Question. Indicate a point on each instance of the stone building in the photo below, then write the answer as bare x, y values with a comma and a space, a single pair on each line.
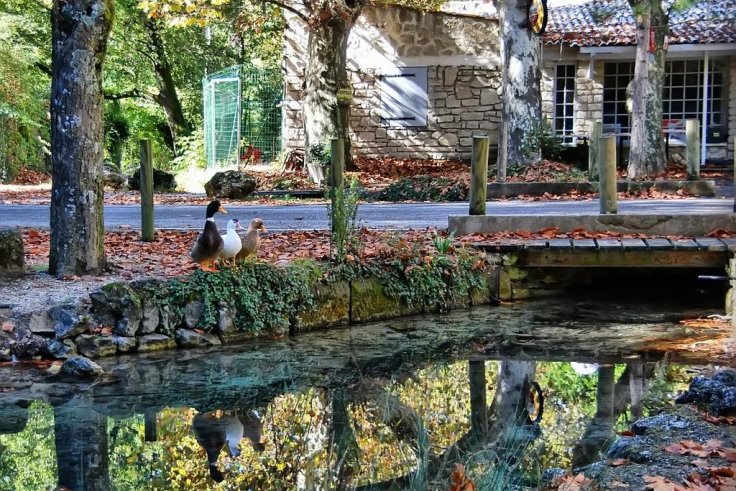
425, 83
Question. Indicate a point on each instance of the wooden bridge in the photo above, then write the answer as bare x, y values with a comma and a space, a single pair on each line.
703, 252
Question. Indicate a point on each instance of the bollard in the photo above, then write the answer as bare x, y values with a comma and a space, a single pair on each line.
337, 166
595, 134
146, 170
479, 175
607, 173
692, 134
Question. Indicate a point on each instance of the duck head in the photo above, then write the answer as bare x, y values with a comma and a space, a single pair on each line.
257, 224
213, 208
234, 224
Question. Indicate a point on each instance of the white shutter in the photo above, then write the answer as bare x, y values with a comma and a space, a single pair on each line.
404, 97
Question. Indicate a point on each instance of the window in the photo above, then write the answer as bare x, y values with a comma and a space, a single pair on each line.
682, 94
404, 98
564, 119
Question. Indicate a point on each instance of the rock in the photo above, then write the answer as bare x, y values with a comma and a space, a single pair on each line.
230, 184
41, 323
633, 448
659, 424
112, 177
332, 307
81, 367
192, 313
62, 348
550, 475
126, 344
161, 181
717, 393
186, 338
11, 254
29, 346
155, 342
169, 319
225, 323
119, 305
151, 317
68, 321
94, 346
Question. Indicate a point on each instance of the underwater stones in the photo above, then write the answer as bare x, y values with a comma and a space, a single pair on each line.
81, 367
62, 348
192, 313
94, 346
187, 338
155, 342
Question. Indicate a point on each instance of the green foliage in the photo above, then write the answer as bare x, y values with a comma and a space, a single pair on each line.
34, 444
320, 154
343, 214
191, 152
426, 188
443, 244
262, 296
541, 136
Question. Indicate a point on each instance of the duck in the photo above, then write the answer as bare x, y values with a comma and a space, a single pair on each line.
252, 239
209, 244
231, 240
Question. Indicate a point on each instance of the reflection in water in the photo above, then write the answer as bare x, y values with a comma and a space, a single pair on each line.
338, 414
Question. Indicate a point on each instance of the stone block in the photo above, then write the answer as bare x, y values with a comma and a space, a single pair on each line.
155, 342
126, 344
451, 102
187, 338
95, 346
62, 349
68, 321
11, 254
119, 305
332, 307
450, 75
192, 313
370, 302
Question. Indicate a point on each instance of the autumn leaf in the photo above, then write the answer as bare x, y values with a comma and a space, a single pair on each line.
459, 481
658, 483
8, 326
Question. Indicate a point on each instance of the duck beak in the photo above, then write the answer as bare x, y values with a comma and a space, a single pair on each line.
222, 210
264, 228
238, 225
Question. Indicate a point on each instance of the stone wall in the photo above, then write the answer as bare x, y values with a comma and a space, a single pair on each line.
464, 80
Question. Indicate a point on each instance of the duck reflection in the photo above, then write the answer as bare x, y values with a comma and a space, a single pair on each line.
218, 430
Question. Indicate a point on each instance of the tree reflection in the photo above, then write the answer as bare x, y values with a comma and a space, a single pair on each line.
81, 447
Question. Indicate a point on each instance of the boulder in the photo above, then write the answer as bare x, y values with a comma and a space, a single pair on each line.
95, 346
68, 322
155, 342
230, 184
112, 177
718, 394
161, 181
187, 338
118, 305
62, 348
192, 313
126, 344
11, 254
81, 367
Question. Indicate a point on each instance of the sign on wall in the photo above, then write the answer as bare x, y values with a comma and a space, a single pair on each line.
537, 16
404, 98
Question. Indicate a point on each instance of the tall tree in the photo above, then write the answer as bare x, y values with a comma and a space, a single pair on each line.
79, 39
646, 152
521, 78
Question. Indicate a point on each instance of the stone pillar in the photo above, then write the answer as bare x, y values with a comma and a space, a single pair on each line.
11, 254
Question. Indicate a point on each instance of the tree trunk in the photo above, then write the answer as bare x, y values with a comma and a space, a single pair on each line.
521, 75
600, 429
509, 408
81, 448
646, 151
326, 72
79, 40
167, 97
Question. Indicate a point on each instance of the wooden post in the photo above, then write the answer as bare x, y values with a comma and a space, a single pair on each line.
692, 134
607, 172
150, 433
595, 133
479, 175
337, 166
636, 389
734, 183
478, 404
147, 231
502, 152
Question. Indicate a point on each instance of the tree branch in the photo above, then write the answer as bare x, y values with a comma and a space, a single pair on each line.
43, 67
289, 8
128, 94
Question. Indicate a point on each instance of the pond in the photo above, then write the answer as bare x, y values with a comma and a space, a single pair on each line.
507, 391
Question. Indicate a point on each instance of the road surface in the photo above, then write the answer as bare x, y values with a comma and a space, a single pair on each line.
372, 215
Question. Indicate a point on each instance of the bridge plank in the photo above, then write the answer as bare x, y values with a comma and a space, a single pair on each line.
685, 245
609, 244
634, 244
730, 244
584, 244
560, 244
620, 258
659, 244
536, 244
711, 244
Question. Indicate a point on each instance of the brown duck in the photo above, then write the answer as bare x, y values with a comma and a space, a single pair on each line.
251, 239
209, 244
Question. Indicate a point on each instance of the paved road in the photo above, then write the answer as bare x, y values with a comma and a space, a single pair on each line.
309, 217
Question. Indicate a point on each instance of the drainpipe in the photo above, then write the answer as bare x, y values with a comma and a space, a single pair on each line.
703, 136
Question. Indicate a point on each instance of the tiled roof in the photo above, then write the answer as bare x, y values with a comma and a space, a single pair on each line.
610, 22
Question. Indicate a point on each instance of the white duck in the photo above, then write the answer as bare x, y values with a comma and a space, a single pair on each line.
231, 240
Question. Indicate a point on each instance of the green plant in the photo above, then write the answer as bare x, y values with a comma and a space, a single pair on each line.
443, 244
542, 137
320, 154
191, 152
343, 213
426, 188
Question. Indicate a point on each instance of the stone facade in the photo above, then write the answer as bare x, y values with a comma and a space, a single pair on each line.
463, 81
588, 102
